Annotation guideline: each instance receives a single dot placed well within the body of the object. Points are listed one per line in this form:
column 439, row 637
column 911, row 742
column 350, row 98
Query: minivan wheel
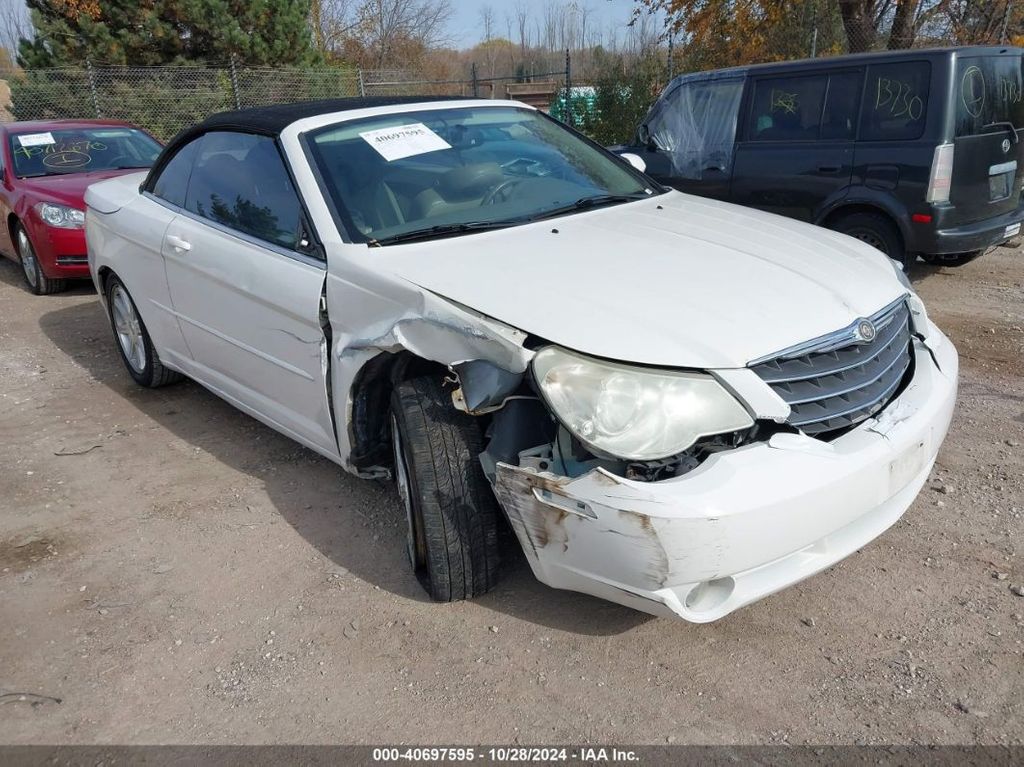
column 951, row 259
column 133, row 340
column 876, row 230
column 452, row 516
column 38, row 283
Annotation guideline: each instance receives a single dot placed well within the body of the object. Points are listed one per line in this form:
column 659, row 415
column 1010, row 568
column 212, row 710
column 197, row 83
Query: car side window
column 172, row 182
column 787, row 108
column 839, row 118
column 895, row 101
column 240, row 181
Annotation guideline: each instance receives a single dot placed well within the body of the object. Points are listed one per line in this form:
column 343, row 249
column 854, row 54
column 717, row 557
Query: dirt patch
column 19, row 554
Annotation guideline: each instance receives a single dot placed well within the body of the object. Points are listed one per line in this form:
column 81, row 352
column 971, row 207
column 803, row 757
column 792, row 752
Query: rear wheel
column 876, row 230
column 133, row 340
column 38, row 282
column 951, row 259
column 452, row 516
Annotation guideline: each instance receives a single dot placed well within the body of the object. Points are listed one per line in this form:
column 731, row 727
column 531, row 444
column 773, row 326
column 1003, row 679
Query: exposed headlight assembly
column 634, row 413
column 60, row 216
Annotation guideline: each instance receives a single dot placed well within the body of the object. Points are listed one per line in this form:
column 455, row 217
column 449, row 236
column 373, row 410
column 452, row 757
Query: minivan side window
column 172, row 182
column 240, row 181
column 895, row 101
column 787, row 108
column 839, row 119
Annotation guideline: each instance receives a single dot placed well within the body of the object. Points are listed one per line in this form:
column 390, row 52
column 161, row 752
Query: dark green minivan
column 917, row 152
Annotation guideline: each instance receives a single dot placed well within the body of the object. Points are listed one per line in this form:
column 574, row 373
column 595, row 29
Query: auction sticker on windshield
column 404, row 141
column 36, row 139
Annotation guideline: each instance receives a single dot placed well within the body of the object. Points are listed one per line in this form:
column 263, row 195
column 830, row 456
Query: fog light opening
column 709, row 594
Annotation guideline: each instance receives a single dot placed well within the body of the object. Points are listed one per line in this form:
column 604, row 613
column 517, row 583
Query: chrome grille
column 836, row 381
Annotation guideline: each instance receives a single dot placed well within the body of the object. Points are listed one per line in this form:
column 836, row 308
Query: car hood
column 675, row 280
column 68, row 189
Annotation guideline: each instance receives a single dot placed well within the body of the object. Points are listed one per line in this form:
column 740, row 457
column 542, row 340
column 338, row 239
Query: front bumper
column 61, row 252
column 747, row 522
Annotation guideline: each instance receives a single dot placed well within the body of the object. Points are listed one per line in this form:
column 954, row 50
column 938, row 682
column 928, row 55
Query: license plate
column 999, row 186
column 1011, row 231
column 906, row 467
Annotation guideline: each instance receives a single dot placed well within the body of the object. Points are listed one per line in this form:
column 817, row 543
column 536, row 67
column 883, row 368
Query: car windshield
column 80, row 150
column 448, row 171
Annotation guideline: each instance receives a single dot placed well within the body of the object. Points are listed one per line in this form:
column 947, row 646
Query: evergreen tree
column 154, row 32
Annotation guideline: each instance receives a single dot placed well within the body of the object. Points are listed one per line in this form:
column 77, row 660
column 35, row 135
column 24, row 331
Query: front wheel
column 133, row 339
column 452, row 516
column 877, row 231
column 38, row 283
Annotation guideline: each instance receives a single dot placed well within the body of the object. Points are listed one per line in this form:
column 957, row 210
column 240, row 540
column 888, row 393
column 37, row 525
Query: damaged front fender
column 372, row 333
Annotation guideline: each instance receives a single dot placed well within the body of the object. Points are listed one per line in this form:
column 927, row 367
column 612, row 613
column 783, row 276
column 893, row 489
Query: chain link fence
column 166, row 99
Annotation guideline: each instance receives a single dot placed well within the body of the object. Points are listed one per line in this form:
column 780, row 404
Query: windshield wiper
column 586, row 203
column 441, row 230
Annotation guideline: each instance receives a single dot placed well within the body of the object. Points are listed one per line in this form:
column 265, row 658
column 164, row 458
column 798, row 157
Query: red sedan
column 47, row 167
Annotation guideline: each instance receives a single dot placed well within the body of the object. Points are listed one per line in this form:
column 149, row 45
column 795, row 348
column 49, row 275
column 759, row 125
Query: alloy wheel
column 128, row 328
column 29, row 263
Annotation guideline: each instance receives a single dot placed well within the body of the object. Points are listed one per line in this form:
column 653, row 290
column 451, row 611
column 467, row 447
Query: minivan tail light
column 942, row 174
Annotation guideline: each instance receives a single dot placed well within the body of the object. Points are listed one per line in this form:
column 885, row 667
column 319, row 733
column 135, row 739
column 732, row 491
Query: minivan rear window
column 895, row 101
column 988, row 91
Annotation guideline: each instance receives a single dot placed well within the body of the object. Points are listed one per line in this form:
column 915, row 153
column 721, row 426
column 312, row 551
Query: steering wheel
column 122, row 159
column 501, row 193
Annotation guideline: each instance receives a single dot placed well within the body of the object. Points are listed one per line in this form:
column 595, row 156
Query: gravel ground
column 174, row 572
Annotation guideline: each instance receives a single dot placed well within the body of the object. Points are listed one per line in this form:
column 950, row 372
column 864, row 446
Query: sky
column 466, row 28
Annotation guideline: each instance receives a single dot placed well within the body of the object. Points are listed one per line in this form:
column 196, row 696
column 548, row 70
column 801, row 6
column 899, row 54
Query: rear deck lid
column 989, row 135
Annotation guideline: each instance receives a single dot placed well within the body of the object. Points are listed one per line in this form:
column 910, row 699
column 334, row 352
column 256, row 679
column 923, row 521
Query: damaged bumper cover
column 746, row 523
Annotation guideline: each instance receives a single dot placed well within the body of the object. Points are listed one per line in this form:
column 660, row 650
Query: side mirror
column 635, row 160
column 643, row 135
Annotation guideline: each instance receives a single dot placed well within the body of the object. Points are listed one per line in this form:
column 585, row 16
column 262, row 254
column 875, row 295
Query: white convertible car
column 678, row 404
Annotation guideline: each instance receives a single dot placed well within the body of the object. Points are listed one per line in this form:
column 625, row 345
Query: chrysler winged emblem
column 865, row 331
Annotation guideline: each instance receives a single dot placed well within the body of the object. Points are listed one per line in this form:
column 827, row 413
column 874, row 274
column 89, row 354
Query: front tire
column 877, row 231
column 133, row 341
column 38, row 283
column 451, row 511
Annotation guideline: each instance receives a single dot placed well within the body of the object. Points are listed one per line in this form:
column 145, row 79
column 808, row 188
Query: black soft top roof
column 271, row 120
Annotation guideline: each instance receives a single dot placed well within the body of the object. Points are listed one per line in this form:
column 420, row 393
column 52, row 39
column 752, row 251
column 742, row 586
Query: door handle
column 177, row 243
column 828, row 169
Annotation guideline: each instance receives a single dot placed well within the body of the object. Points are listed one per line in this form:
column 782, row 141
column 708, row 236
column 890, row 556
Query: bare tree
column 332, row 22
column 392, row 30
column 14, row 25
column 522, row 18
column 487, row 23
column 864, row 20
